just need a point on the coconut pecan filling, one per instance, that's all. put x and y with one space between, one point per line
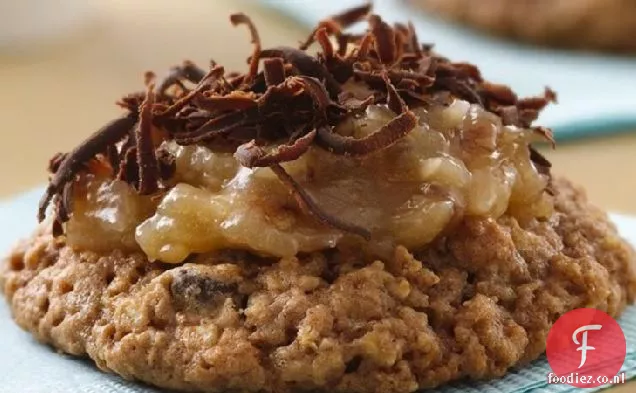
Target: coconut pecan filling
374 142
459 160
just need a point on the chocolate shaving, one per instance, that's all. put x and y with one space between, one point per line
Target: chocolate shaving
241 18
384 40
65 203
400 38
224 103
219 126
214 74
343 42
414 42
251 155
501 93
173 77
274 71
352 15
113 158
318 93
387 135
354 105
365 45
167 164
306 65
538 158
129 169
460 88
509 115
468 70
192 72
323 39
546 133
543 167
148 168
56 161
336 23
394 101
58 227
306 202
109 134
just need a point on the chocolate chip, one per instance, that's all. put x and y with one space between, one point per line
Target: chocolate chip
191 287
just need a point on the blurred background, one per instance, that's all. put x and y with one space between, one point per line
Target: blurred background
64 63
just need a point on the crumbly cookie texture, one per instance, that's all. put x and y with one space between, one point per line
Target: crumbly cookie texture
472 305
587 24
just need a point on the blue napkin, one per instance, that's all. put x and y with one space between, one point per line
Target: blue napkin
596 92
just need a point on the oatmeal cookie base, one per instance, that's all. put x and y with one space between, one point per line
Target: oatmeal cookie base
472 305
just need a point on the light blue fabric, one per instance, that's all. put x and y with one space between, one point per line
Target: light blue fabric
29 367
596 92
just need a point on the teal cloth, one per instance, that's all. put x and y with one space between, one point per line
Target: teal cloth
30 367
595 91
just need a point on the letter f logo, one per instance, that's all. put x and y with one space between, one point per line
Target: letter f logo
584 347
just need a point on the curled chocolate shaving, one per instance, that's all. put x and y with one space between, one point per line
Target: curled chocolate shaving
501 93
387 135
538 158
414 42
219 126
192 72
460 88
307 203
546 133
336 23
215 73
365 45
306 65
318 93
224 103
173 77
543 167
354 105
384 40
241 18
323 39
167 164
65 203
251 155
112 154
274 71
394 101
109 134
129 169
148 168
57 227
56 161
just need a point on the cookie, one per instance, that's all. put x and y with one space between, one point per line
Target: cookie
472 306
605 25
370 219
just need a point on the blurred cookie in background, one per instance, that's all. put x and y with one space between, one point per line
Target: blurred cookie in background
606 25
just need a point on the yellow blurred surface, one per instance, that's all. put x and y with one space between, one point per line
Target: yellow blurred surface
52 101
